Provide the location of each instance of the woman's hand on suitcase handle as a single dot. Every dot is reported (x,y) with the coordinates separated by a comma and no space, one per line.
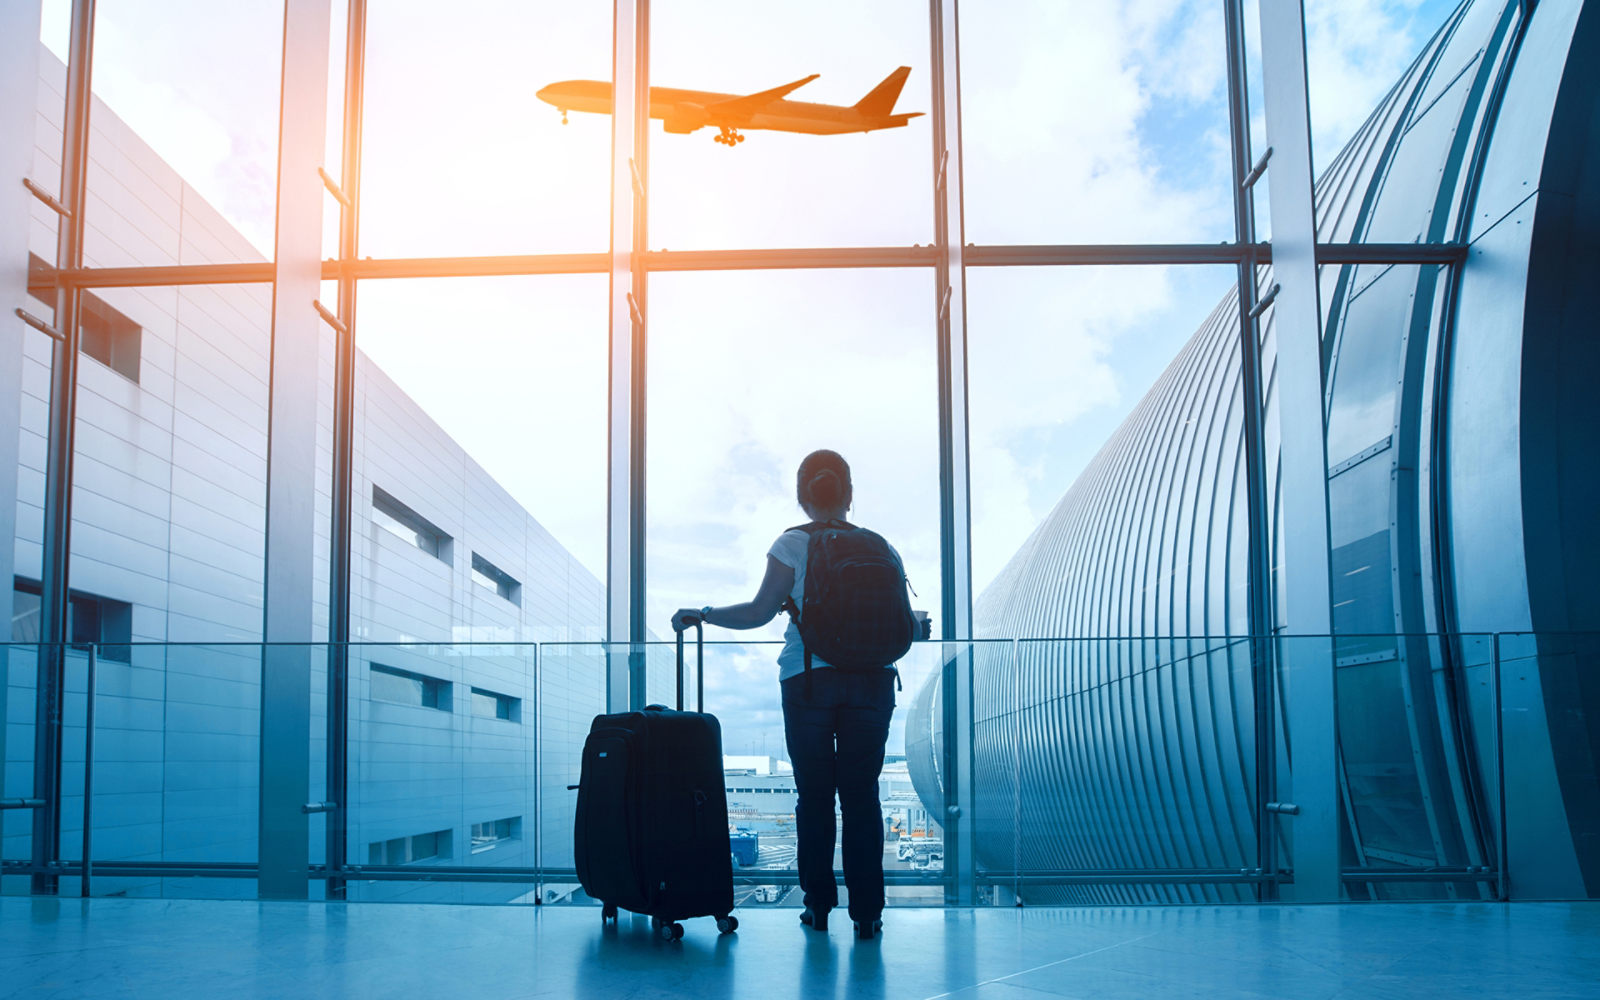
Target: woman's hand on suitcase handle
(687,618)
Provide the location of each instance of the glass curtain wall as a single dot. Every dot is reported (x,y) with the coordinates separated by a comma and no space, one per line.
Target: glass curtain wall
(567,367)
(147,446)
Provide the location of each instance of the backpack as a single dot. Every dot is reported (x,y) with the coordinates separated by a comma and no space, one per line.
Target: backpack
(855,613)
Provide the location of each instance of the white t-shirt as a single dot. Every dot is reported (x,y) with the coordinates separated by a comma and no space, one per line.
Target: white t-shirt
(790,549)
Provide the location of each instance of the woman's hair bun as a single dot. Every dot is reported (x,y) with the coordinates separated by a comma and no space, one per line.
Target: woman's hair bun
(823,482)
(826,490)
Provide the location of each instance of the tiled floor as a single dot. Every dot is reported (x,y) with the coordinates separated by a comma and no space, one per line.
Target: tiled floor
(190,950)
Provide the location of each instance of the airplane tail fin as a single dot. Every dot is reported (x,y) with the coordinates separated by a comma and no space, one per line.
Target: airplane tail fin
(880,100)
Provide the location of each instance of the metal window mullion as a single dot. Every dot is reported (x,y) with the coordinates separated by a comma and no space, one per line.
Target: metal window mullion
(955,495)
(289,564)
(337,783)
(1303,466)
(57,539)
(1259,540)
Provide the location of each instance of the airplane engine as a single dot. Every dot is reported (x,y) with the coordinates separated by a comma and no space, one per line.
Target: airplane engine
(685,118)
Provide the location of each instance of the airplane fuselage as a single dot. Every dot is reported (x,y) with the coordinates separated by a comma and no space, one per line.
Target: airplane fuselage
(687,110)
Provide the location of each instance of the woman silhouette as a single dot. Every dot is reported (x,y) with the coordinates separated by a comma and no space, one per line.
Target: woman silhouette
(835,722)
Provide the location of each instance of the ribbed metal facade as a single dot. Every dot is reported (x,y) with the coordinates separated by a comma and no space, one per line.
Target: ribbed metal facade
(1128,749)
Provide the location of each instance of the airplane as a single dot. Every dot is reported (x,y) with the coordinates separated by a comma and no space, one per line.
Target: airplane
(684,111)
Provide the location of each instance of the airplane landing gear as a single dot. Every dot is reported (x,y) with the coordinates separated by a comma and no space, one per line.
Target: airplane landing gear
(728,137)
(563,116)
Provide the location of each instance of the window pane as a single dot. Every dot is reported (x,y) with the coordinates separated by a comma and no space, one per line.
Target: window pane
(404,689)
(184,146)
(837,359)
(1095,123)
(1374,309)
(783,188)
(170,468)
(491,705)
(458,154)
(481,406)
(442,772)
(1059,358)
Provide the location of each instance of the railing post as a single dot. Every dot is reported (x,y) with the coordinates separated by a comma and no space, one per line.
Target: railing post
(88,770)
(535,729)
(1503,853)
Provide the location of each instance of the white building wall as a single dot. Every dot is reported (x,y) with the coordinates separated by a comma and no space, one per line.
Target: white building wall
(169,516)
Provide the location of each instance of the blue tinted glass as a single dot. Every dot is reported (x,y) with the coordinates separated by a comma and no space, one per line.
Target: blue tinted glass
(1365,365)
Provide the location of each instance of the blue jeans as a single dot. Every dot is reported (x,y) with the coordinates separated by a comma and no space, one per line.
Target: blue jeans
(836,732)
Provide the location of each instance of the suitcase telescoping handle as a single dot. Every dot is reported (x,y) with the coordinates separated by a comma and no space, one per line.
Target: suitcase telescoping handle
(699,669)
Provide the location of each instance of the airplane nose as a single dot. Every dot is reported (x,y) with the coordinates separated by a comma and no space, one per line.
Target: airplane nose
(543,93)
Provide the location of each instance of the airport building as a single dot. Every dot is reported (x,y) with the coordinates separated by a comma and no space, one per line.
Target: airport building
(1460,448)
(301,634)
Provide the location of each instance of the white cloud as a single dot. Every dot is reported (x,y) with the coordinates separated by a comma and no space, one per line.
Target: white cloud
(1355,52)
(1064,109)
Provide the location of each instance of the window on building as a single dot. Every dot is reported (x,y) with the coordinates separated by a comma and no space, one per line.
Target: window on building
(105,334)
(406,688)
(408,850)
(91,620)
(491,577)
(486,836)
(406,524)
(496,706)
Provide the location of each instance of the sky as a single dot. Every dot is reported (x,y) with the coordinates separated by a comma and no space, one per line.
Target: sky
(1084,121)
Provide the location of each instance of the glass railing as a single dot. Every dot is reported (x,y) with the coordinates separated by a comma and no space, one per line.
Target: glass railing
(1398,767)
(1115,770)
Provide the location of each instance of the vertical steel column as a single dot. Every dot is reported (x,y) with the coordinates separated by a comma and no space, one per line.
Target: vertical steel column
(54,609)
(1303,464)
(626,425)
(955,494)
(1263,670)
(344,381)
(19,87)
(284,829)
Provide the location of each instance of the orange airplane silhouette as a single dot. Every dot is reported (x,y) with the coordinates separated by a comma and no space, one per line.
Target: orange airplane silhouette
(684,111)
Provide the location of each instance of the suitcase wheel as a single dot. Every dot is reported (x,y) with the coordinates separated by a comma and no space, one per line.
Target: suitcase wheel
(608,913)
(727,924)
(670,930)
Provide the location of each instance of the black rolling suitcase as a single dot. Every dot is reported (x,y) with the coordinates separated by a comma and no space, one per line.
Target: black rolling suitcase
(651,832)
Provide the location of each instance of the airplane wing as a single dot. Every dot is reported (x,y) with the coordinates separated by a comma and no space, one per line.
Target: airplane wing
(751,103)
